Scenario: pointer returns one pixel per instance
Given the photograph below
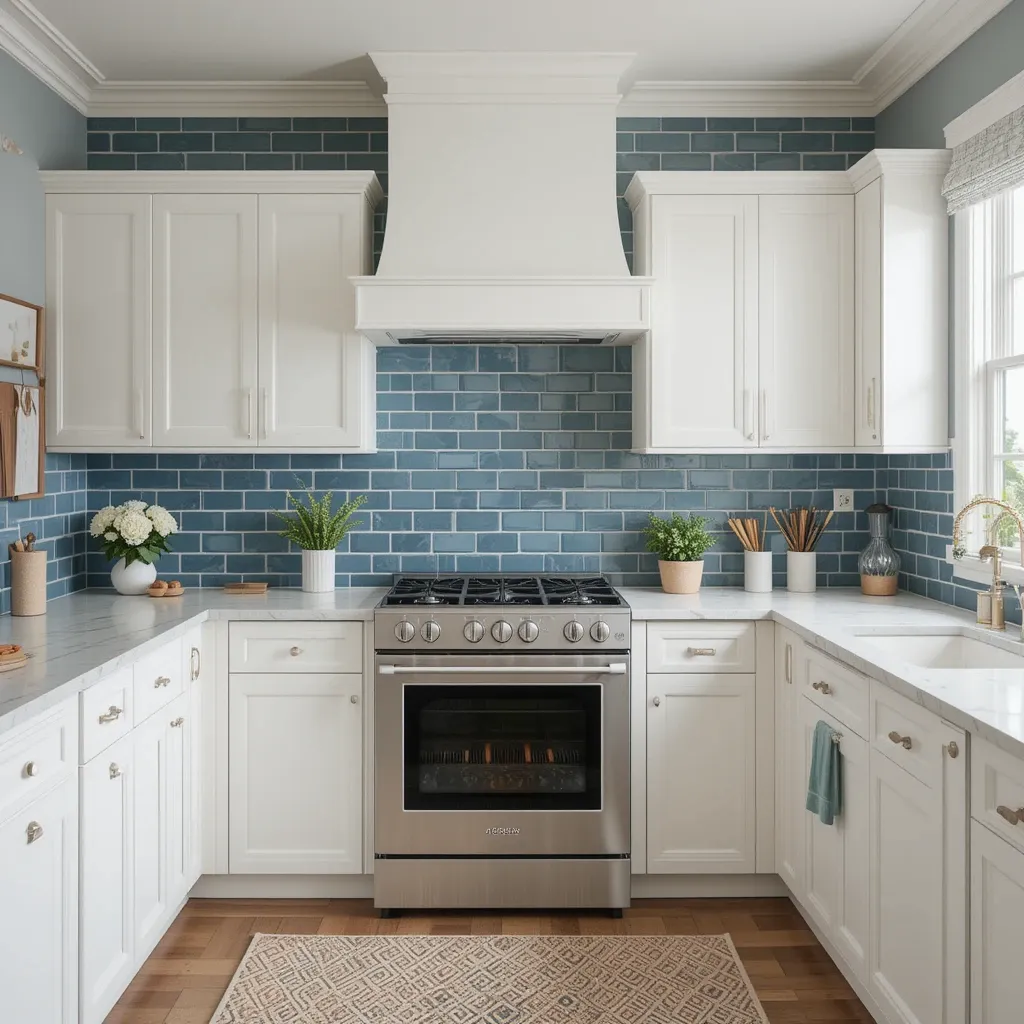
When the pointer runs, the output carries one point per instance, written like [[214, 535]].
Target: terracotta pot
[[681, 577]]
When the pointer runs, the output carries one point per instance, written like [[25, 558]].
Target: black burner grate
[[495, 591]]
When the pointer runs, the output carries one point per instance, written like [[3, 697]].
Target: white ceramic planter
[[801, 571], [318, 571], [681, 577], [133, 579], [757, 572]]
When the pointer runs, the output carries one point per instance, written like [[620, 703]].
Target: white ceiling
[[853, 52]]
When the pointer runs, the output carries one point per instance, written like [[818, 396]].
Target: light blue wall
[[52, 134], [992, 56]]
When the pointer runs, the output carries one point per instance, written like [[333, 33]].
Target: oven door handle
[[616, 668]]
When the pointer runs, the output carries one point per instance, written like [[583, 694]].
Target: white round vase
[[318, 571], [132, 579]]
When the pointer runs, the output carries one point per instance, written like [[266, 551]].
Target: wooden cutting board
[[245, 588]]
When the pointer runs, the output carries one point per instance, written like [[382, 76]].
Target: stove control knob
[[473, 631], [501, 631], [599, 632], [405, 631], [430, 631], [573, 631], [528, 631]]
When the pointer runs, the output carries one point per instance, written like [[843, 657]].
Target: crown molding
[[994, 107], [889, 162], [234, 99], [30, 45], [752, 99]]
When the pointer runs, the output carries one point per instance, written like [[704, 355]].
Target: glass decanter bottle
[[879, 564]]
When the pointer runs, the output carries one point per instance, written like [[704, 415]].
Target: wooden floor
[[184, 979]]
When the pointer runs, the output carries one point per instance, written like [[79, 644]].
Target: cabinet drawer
[[296, 647], [106, 713], [839, 690], [157, 680], [36, 754], [906, 733], [700, 647], [997, 790]]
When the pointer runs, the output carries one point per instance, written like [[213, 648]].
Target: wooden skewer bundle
[[751, 533], [801, 527]]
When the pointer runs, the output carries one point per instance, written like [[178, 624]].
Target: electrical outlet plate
[[842, 500]]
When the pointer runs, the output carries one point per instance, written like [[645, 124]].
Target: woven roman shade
[[987, 163]]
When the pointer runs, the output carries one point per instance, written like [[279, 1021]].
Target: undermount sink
[[944, 651]]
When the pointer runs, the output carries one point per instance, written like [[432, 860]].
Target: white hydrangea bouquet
[[134, 531]]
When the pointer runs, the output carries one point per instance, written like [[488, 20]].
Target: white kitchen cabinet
[[791, 782], [902, 274], [705, 249], [317, 375], [997, 927], [805, 320], [98, 321], [149, 825], [204, 320], [39, 901], [296, 773], [836, 855], [917, 899], [700, 773], [106, 912], [208, 311]]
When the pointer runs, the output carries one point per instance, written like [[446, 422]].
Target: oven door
[[514, 755]]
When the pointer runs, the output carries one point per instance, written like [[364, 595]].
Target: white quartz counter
[[86, 636], [988, 702]]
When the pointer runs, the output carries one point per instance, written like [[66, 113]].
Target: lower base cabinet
[[296, 773], [997, 928], [38, 904]]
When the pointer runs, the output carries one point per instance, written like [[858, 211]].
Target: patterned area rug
[[490, 979]]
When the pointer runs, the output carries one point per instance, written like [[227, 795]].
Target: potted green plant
[[680, 543], [318, 530]]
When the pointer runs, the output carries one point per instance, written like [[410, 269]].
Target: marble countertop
[[987, 702], [86, 636]]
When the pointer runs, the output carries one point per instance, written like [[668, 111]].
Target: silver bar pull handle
[[616, 668], [701, 652], [789, 663]]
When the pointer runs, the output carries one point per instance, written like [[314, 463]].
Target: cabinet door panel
[[204, 320], [868, 396], [700, 771], [295, 774], [180, 725], [806, 320], [791, 782], [98, 281], [149, 832], [997, 927], [704, 314], [316, 373], [106, 913], [39, 897]]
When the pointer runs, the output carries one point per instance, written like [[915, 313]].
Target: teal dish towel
[[825, 786]]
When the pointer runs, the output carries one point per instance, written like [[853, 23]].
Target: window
[[989, 385]]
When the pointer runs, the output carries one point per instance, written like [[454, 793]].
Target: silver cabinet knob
[[405, 631], [573, 631], [657, 702], [473, 631], [501, 631], [599, 632], [430, 631], [354, 699], [528, 631], [177, 723], [161, 681], [34, 831], [115, 770], [295, 652], [112, 714], [31, 770]]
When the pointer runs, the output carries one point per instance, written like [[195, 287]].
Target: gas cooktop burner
[[501, 590]]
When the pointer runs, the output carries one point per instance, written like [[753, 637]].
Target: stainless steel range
[[501, 715]]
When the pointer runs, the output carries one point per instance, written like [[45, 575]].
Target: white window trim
[[974, 441]]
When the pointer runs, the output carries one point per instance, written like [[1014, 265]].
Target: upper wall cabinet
[[208, 311], [779, 307]]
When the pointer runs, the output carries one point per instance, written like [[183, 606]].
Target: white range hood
[[501, 220]]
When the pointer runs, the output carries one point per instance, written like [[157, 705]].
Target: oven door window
[[528, 748]]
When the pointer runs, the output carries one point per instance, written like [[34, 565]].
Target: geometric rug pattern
[[490, 979]]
